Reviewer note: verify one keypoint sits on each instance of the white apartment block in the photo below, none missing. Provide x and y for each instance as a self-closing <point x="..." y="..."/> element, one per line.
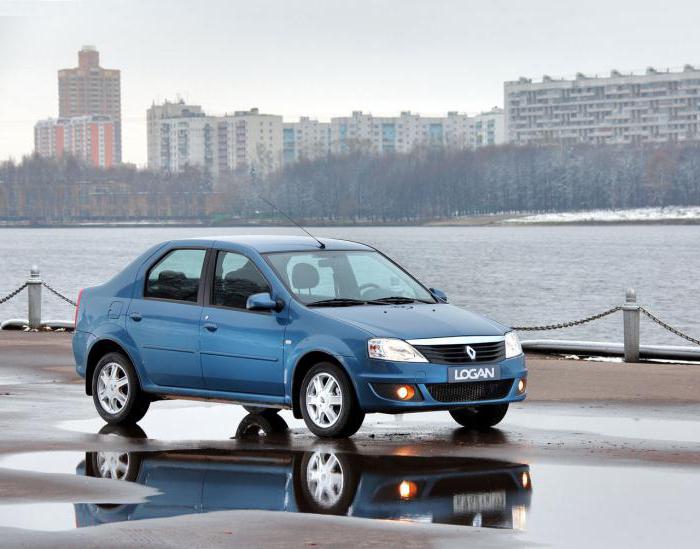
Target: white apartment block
<point x="621" y="108"/>
<point x="181" y="135"/>
<point x="249" y="139"/>
<point x="381" y="135"/>
<point x="487" y="129"/>
<point x="306" y="139"/>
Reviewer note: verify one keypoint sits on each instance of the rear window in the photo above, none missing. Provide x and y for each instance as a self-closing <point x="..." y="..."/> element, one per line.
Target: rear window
<point x="177" y="276"/>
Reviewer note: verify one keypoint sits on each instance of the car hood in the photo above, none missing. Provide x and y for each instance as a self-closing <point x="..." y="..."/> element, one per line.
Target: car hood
<point x="415" y="321"/>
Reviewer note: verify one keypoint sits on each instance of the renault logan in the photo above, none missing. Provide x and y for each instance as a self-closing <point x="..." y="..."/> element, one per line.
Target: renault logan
<point x="330" y="329"/>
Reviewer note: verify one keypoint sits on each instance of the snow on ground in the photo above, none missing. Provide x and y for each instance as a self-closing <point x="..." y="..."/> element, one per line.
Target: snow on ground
<point x="669" y="213"/>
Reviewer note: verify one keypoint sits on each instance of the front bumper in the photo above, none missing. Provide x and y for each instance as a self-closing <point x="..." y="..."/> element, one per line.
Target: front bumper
<point x="423" y="374"/>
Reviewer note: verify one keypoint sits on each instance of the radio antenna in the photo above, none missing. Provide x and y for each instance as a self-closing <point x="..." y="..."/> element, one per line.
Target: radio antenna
<point x="274" y="206"/>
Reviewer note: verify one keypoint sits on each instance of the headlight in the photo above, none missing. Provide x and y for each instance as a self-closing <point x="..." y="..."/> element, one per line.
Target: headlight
<point x="393" y="349"/>
<point x="513" y="347"/>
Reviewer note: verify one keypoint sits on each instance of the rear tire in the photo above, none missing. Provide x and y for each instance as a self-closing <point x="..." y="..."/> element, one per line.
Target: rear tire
<point x="480" y="417"/>
<point x="328" y="402"/>
<point x="116" y="391"/>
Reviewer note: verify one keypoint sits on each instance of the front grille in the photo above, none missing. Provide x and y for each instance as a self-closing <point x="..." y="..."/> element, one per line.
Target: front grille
<point x="492" y="351"/>
<point x="471" y="391"/>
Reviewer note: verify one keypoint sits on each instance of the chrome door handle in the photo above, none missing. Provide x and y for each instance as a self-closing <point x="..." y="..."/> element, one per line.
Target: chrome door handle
<point x="136" y="317"/>
<point x="211" y="327"/>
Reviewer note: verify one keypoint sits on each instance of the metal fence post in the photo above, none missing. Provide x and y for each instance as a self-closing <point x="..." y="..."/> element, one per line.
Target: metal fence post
<point x="34" y="298"/>
<point x="630" y="313"/>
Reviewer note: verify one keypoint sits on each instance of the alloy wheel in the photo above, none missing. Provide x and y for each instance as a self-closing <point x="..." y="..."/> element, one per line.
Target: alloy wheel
<point x="113" y="388"/>
<point x="324" y="400"/>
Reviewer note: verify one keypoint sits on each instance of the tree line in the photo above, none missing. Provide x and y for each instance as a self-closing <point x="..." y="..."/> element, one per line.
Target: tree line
<point x="360" y="187"/>
<point x="439" y="183"/>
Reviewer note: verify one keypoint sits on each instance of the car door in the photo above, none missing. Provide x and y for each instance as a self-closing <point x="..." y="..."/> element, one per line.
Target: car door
<point x="241" y="350"/>
<point x="164" y="319"/>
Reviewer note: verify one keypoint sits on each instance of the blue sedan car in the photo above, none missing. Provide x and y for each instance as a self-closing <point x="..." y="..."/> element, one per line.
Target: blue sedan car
<point x="331" y="329"/>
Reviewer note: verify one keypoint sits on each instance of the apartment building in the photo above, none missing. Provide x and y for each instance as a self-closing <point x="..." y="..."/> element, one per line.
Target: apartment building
<point x="91" y="139"/>
<point x="181" y="135"/>
<point x="306" y="139"/>
<point x="88" y="89"/>
<point x="487" y="129"/>
<point x="250" y="139"/>
<point x="619" y="108"/>
<point x="402" y="134"/>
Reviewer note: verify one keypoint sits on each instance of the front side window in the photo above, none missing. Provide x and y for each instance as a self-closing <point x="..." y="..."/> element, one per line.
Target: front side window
<point x="346" y="275"/>
<point x="236" y="278"/>
<point x="177" y="276"/>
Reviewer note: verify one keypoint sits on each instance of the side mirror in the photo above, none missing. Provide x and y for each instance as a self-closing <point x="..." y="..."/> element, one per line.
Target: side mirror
<point x="263" y="302"/>
<point x="439" y="295"/>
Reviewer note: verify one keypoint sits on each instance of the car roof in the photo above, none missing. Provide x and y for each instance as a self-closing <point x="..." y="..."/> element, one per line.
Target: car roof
<point x="267" y="243"/>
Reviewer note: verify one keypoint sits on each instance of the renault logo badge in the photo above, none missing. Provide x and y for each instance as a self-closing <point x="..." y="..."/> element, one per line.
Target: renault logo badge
<point x="471" y="352"/>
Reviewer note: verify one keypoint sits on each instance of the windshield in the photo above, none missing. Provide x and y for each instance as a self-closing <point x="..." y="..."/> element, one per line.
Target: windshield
<point x="346" y="278"/>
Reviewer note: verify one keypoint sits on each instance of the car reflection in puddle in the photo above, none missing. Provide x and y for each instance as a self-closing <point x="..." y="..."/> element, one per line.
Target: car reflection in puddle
<point x="448" y="490"/>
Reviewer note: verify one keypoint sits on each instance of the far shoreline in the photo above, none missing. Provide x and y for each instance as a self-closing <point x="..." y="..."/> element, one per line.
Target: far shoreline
<point x="493" y="220"/>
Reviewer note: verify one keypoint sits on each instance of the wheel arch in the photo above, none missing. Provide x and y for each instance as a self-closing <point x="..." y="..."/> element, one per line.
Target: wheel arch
<point x="303" y="365"/>
<point x="99" y="349"/>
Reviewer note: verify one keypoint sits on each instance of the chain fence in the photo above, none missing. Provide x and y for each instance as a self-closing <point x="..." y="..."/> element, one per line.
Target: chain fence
<point x="669" y="327"/>
<point x="542" y="328"/>
<point x="13" y="294"/>
<point x="566" y="324"/>
<point x="605" y="313"/>
<point x="58" y="294"/>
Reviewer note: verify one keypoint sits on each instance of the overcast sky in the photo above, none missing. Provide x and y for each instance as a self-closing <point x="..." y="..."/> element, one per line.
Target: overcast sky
<point x="323" y="58"/>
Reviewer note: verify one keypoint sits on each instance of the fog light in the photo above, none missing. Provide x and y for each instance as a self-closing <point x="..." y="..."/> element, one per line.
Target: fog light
<point x="405" y="392"/>
<point x="522" y="385"/>
<point x="408" y="489"/>
<point x="525" y="480"/>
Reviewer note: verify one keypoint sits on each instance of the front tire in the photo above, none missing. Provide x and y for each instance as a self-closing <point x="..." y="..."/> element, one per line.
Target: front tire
<point x="116" y="391"/>
<point x="480" y="417"/>
<point x="328" y="402"/>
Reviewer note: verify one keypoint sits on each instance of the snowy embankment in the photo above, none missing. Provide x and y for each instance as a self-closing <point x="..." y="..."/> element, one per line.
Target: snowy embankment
<point x="669" y="213"/>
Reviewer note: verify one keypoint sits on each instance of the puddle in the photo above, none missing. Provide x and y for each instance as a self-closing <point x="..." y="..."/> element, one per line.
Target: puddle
<point x="561" y="505"/>
<point x="38" y="516"/>
<point x="445" y="490"/>
<point x="44" y="462"/>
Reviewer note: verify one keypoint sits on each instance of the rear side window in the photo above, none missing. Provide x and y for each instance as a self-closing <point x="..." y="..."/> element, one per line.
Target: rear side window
<point x="177" y="276"/>
<point x="235" y="279"/>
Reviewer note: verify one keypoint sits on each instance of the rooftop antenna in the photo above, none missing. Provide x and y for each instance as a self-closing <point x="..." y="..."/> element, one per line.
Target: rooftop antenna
<point x="274" y="206"/>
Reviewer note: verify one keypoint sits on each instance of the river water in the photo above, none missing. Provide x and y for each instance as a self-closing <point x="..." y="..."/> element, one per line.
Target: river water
<point x="520" y="276"/>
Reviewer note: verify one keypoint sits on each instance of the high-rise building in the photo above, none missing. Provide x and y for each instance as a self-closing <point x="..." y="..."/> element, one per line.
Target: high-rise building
<point x="487" y="128"/>
<point x="181" y="135"/>
<point x="88" y="138"/>
<point x="617" y="109"/>
<point x="306" y="139"/>
<point x="88" y="89"/>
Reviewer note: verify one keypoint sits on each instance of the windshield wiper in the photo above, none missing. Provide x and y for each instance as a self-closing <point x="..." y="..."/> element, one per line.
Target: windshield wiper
<point x="337" y="302"/>
<point x="398" y="300"/>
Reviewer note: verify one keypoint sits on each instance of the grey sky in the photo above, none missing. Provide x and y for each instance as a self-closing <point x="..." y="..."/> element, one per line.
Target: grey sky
<point x="323" y="57"/>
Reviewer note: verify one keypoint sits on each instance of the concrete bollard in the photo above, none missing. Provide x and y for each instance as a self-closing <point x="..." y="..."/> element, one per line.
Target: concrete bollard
<point x="630" y="312"/>
<point x="34" y="298"/>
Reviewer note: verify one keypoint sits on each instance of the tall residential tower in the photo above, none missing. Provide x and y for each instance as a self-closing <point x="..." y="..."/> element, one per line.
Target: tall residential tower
<point x="88" y="89"/>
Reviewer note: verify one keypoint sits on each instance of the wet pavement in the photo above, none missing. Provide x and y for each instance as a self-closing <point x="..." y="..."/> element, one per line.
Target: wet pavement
<point x="563" y="473"/>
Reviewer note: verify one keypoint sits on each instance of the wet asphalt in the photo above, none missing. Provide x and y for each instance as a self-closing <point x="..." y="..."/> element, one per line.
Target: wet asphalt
<point x="600" y="454"/>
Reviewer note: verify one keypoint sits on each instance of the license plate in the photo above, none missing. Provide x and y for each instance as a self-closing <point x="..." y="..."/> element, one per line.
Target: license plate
<point x="460" y="374"/>
<point x="477" y="503"/>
